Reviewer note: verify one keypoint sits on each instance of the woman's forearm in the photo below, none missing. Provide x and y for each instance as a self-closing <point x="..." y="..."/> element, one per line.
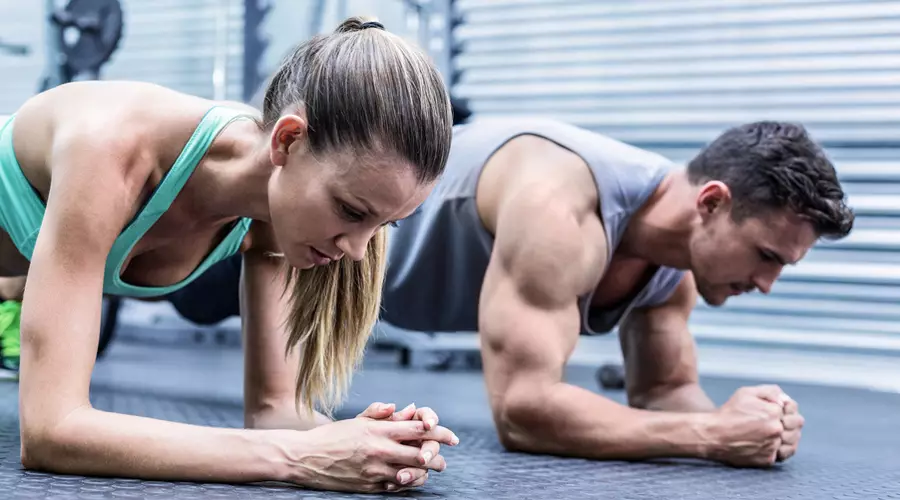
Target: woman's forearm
<point x="283" y="416"/>
<point x="96" y="443"/>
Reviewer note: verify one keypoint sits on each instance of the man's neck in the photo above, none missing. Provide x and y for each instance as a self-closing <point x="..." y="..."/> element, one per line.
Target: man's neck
<point x="660" y="231"/>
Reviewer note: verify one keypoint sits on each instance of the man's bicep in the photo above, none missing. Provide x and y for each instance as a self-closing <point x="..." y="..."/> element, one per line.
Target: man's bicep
<point x="520" y="334"/>
<point x="528" y="313"/>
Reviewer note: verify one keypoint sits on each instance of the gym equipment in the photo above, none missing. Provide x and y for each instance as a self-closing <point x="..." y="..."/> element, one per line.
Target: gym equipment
<point x="85" y="34"/>
<point x="611" y="376"/>
<point x="14" y="49"/>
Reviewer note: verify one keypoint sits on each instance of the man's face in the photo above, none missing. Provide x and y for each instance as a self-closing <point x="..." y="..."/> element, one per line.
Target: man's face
<point x="729" y="258"/>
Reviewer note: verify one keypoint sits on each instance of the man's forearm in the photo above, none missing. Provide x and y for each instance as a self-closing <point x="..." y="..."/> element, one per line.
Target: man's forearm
<point x="567" y="420"/>
<point x="681" y="398"/>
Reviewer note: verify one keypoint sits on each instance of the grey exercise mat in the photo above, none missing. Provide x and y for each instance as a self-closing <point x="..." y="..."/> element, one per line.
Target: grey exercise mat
<point x="850" y="449"/>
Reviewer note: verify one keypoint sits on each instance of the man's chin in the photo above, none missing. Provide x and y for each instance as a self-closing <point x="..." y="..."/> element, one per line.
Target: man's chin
<point x="717" y="302"/>
<point x="713" y="299"/>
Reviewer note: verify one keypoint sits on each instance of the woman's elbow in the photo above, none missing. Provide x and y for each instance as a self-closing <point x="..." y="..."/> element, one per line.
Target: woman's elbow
<point x="44" y="440"/>
<point x="35" y="449"/>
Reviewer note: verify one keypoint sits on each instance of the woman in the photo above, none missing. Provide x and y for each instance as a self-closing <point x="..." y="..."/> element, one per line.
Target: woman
<point x="135" y="190"/>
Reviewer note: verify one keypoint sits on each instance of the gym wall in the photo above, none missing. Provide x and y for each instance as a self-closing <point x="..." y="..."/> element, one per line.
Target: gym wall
<point x="21" y="23"/>
<point x="194" y="46"/>
<point x="669" y="76"/>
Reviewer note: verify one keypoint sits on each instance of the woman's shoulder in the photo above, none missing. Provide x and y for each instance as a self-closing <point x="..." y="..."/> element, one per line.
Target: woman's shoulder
<point x="131" y="130"/>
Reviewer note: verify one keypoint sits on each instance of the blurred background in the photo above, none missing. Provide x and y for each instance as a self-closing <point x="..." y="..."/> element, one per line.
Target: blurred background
<point x="666" y="75"/>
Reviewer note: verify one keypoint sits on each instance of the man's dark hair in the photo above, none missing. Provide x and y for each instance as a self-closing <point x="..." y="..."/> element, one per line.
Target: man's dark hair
<point x="776" y="165"/>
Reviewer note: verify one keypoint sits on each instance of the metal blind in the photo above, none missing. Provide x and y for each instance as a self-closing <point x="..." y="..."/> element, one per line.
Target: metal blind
<point x="192" y="46"/>
<point x="670" y="76"/>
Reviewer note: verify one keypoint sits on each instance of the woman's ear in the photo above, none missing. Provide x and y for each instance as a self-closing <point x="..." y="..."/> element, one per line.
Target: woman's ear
<point x="289" y="131"/>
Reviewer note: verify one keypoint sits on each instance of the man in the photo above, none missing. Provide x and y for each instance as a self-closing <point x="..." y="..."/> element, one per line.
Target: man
<point x="540" y="231"/>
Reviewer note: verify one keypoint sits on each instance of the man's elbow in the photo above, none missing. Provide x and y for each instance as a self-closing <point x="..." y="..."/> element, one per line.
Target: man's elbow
<point x="519" y="421"/>
<point x="642" y="399"/>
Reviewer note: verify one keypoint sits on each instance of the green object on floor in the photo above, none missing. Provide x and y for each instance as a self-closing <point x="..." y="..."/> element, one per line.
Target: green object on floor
<point x="10" y="315"/>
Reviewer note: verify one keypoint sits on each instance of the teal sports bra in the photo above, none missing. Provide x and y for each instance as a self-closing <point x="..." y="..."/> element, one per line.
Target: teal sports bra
<point x="22" y="210"/>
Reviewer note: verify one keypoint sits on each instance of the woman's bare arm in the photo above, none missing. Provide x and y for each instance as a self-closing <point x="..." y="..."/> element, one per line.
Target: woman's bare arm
<point x="90" y="201"/>
<point x="269" y="374"/>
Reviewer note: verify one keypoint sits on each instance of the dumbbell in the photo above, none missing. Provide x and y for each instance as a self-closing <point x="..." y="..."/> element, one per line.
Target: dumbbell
<point x="611" y="376"/>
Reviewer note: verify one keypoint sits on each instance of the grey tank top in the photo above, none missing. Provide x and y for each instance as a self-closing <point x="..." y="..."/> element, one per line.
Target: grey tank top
<point x="438" y="256"/>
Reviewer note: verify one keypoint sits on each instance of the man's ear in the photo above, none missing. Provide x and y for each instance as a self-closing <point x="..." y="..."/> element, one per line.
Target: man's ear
<point x="714" y="196"/>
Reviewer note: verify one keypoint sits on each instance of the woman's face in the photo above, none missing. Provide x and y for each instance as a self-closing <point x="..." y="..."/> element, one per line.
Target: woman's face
<point x="325" y="208"/>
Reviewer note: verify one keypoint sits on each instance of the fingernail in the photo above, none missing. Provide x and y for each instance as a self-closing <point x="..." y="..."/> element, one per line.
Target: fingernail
<point x="404" y="477"/>
<point x="390" y="487"/>
<point x="410" y="406"/>
<point x="455" y="440"/>
<point x="431" y="423"/>
<point x="427" y="456"/>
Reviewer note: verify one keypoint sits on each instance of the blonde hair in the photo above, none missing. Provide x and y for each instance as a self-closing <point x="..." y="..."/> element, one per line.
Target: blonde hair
<point x="364" y="91"/>
<point x="333" y="312"/>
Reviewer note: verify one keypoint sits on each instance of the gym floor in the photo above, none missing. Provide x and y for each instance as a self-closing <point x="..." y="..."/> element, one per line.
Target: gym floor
<point x="850" y="446"/>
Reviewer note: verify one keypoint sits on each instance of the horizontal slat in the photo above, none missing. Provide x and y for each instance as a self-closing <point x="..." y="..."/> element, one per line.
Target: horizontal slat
<point x="820" y="307"/>
<point x="177" y="44"/>
<point x="874" y="171"/>
<point x="575" y="65"/>
<point x="499" y="8"/>
<point x="790" y="37"/>
<point x="799" y="337"/>
<point x="864" y="116"/>
<point x="728" y="317"/>
<point x="844" y="272"/>
<point x="769" y="99"/>
<point x="876" y="204"/>
<point x="886" y="294"/>
<point x="688" y="20"/>
<point x="688" y="133"/>
<point x="812" y="56"/>
<point x="867" y="239"/>
<point x="670" y="86"/>
<point x="693" y="128"/>
<point x="174" y="57"/>
<point x="142" y="7"/>
<point x="172" y="36"/>
<point x="825" y="255"/>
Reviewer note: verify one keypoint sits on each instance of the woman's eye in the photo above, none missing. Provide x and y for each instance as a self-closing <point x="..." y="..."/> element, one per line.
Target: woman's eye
<point x="351" y="214"/>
